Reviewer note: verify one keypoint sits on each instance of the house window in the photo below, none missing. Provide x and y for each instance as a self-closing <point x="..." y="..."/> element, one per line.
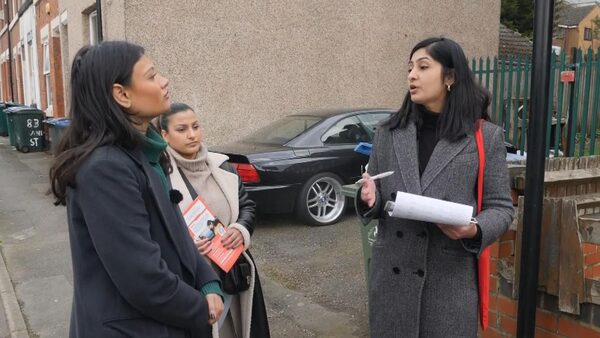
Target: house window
<point x="93" y="20"/>
<point x="30" y="73"/>
<point x="587" y="34"/>
<point x="47" y="74"/>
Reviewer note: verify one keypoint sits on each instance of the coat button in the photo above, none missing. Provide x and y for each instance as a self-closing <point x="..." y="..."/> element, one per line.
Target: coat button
<point x="422" y="234"/>
<point x="396" y="270"/>
<point x="399" y="234"/>
<point x="420" y="273"/>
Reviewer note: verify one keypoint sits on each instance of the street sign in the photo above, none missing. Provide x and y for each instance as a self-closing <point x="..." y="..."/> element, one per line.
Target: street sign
<point x="567" y="76"/>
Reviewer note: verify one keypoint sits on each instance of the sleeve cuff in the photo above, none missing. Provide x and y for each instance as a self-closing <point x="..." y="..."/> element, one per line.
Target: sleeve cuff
<point x="212" y="287"/>
<point x="363" y="211"/>
<point x="245" y="234"/>
<point x="473" y="245"/>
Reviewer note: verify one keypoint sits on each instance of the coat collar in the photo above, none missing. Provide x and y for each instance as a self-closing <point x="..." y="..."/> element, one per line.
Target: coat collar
<point x="442" y="154"/>
<point x="226" y="180"/>
<point x="405" y="140"/>
<point x="165" y="208"/>
<point x="406" y="150"/>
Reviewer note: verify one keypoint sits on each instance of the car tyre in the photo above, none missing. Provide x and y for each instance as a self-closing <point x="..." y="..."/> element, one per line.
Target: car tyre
<point x="321" y="201"/>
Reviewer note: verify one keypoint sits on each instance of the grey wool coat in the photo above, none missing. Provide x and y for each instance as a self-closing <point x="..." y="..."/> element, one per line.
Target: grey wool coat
<point x="422" y="283"/>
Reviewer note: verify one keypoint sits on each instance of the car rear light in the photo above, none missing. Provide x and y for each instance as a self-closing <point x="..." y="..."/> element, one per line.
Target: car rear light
<point x="247" y="172"/>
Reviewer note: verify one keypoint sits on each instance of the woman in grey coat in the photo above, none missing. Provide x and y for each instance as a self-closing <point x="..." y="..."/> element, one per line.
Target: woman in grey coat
<point x="423" y="280"/>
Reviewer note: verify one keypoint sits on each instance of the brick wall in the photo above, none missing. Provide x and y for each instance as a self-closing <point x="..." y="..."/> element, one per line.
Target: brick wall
<point x="550" y="322"/>
<point x="5" y="82"/>
<point x="56" y="77"/>
<point x="17" y="69"/>
<point x="46" y="11"/>
<point x="18" y="78"/>
<point x="591" y="262"/>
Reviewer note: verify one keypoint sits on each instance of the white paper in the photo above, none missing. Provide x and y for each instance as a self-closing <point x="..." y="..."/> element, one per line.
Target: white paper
<point x="426" y="209"/>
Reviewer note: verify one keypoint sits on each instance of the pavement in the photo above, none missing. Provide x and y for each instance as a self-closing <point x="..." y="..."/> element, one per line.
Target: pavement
<point x="313" y="278"/>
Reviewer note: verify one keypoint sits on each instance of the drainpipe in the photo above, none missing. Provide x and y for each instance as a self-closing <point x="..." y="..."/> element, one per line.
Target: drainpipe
<point x="99" y="20"/>
<point x="10" y="64"/>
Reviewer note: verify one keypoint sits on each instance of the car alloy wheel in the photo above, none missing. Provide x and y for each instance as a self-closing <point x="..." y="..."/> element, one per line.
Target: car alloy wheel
<point x="323" y="202"/>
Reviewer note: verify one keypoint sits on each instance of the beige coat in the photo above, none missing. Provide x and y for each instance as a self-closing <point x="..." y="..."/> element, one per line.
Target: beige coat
<point x="228" y="182"/>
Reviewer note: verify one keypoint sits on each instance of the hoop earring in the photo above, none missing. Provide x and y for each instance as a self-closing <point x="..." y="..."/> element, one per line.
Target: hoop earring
<point x="448" y="86"/>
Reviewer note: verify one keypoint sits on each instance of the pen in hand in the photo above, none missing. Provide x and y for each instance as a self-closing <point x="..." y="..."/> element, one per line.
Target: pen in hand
<point x="378" y="176"/>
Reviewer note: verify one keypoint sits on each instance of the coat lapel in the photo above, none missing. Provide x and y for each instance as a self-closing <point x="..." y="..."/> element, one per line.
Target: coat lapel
<point x="405" y="140"/>
<point x="166" y="211"/>
<point x="228" y="182"/>
<point x="442" y="154"/>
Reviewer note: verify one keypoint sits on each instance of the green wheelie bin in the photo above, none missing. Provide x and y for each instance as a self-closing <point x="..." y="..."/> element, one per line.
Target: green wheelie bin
<point x="9" y="121"/>
<point x="25" y="123"/>
<point x="367" y="231"/>
<point x="3" y="121"/>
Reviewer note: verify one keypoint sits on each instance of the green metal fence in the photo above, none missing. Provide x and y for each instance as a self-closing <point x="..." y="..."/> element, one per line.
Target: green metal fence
<point x="573" y="106"/>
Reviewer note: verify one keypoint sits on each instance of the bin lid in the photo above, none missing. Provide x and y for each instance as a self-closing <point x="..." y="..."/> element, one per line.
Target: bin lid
<point x="13" y="104"/>
<point x="22" y="109"/>
<point x="61" y="122"/>
<point x="363" y="148"/>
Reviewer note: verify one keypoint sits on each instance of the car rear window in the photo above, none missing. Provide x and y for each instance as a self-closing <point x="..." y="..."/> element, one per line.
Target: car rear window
<point x="283" y="130"/>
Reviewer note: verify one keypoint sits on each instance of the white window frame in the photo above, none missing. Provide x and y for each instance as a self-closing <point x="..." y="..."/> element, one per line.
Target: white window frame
<point x="15" y="4"/>
<point x="30" y="72"/>
<point x="93" y="27"/>
<point x="47" y="76"/>
<point x="46" y="50"/>
<point x="587" y="34"/>
<point x="22" y="53"/>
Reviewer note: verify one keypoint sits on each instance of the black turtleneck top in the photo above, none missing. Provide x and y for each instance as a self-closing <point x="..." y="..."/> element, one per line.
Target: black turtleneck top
<point x="427" y="136"/>
<point x="428" y="139"/>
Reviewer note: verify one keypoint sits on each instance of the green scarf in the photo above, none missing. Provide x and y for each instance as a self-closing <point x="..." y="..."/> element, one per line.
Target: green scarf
<point x="153" y="146"/>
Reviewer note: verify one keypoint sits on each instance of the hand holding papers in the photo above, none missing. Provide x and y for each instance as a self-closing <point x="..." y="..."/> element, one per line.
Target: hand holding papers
<point x="426" y="209"/>
<point x="203" y="224"/>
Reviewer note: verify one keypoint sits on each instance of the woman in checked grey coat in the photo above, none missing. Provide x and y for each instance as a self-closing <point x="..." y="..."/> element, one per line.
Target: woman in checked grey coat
<point x="423" y="280"/>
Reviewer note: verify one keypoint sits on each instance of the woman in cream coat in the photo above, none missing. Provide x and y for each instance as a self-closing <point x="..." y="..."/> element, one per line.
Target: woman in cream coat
<point x="217" y="183"/>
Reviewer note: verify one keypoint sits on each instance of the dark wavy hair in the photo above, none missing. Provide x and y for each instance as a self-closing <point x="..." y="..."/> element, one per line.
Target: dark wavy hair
<point x="96" y="118"/>
<point x="465" y="103"/>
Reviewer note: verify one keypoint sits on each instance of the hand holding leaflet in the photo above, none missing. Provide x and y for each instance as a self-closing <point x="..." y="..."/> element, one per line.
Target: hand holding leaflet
<point x="426" y="209"/>
<point x="203" y="225"/>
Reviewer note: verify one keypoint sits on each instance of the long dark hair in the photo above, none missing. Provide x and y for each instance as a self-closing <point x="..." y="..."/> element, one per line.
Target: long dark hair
<point x="177" y="107"/>
<point x="465" y="103"/>
<point x="96" y="118"/>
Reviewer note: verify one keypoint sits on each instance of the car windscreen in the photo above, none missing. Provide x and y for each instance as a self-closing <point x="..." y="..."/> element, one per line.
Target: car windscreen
<point x="283" y="130"/>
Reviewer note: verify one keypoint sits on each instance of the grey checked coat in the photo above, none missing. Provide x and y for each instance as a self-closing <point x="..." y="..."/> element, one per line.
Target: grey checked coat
<point x="422" y="283"/>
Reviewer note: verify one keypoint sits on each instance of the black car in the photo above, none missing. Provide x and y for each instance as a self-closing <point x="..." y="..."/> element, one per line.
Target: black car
<point x="300" y="162"/>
